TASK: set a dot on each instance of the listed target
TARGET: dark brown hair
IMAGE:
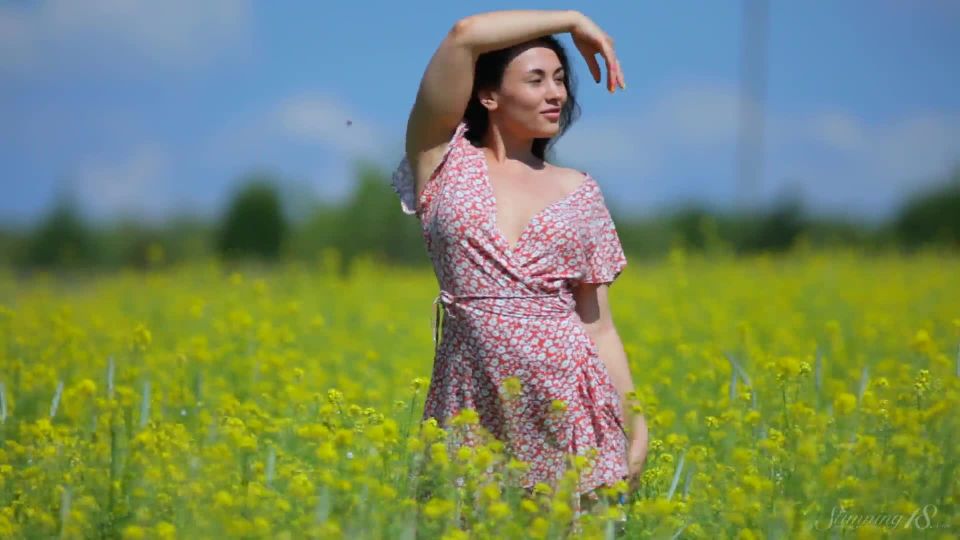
(488, 74)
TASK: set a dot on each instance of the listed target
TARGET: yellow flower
(517, 465)
(790, 367)
(808, 448)
(539, 527)
(561, 511)
(222, 499)
(141, 337)
(343, 437)
(484, 457)
(662, 507)
(334, 396)
(467, 416)
(437, 508)
(529, 506)
(326, 452)
(87, 387)
(541, 488)
(512, 387)
(922, 341)
(455, 534)
(165, 530)
(844, 404)
(438, 453)
(301, 487)
(752, 483)
(499, 510)
(431, 431)
(134, 532)
(490, 492)
(414, 445)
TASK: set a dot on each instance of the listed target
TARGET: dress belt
(446, 298)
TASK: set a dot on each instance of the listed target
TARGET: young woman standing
(524, 251)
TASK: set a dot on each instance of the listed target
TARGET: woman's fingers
(594, 66)
(634, 483)
(612, 67)
(612, 64)
(586, 50)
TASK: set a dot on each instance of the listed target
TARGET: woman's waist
(519, 304)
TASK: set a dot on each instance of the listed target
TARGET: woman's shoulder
(572, 179)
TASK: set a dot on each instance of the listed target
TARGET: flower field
(814, 395)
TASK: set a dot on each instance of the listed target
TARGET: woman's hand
(590, 40)
(637, 452)
(636, 458)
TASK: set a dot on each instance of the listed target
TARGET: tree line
(256, 223)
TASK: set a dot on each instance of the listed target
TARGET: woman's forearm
(615, 359)
(483, 32)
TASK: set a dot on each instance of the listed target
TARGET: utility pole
(753, 81)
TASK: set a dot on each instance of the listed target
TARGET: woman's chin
(547, 129)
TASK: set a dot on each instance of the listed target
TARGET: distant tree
(61, 239)
(931, 216)
(372, 222)
(689, 224)
(778, 228)
(254, 224)
(134, 244)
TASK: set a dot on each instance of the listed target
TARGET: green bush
(931, 217)
(254, 225)
(61, 239)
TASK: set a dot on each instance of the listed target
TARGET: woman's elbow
(460, 29)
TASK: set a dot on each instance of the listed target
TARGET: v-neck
(492, 202)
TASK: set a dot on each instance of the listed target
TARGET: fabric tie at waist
(520, 305)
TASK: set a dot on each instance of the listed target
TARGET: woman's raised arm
(447, 82)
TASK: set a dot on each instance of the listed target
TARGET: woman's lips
(553, 115)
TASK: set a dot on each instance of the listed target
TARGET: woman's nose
(555, 90)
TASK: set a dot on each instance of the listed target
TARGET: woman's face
(532, 87)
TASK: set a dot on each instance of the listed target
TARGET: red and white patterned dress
(509, 312)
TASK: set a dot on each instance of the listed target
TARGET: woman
(524, 250)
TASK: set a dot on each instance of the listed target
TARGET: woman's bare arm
(447, 83)
(594, 310)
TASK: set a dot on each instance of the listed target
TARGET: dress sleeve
(604, 256)
(405, 184)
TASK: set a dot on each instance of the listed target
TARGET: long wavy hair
(488, 75)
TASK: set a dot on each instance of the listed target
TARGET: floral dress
(508, 312)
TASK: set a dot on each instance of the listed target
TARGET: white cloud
(844, 164)
(318, 121)
(838, 130)
(325, 121)
(62, 34)
(839, 162)
(133, 184)
(318, 137)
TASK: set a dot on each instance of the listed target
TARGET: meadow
(811, 395)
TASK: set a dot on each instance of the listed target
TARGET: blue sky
(151, 109)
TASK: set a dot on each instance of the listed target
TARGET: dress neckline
(492, 205)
